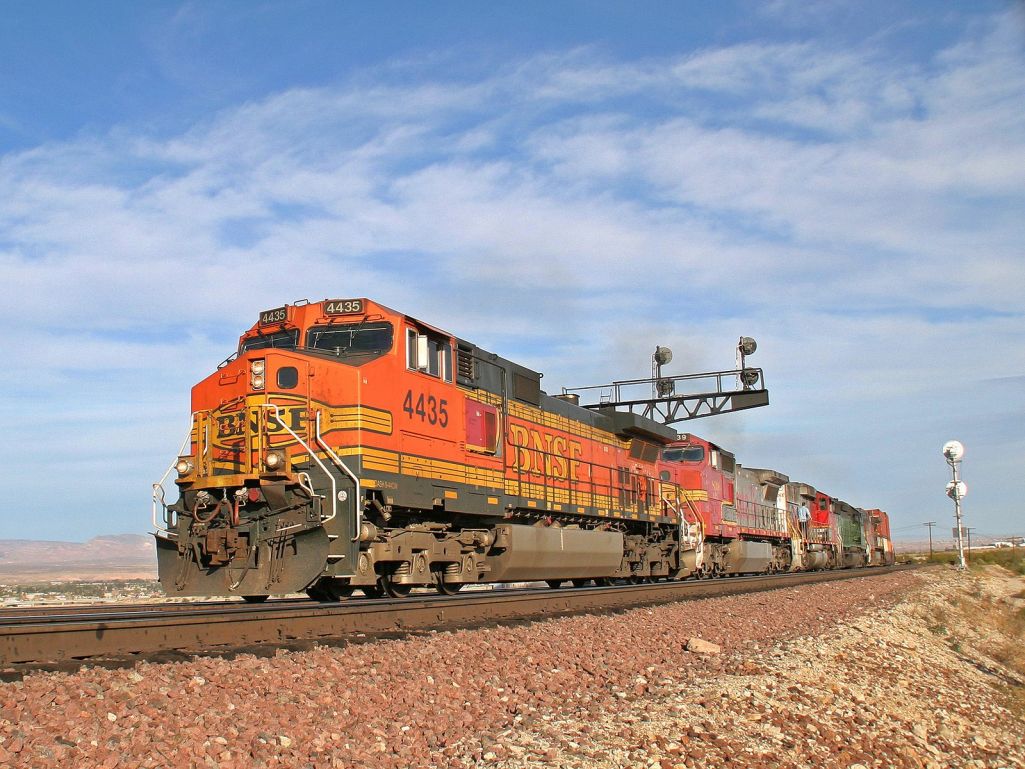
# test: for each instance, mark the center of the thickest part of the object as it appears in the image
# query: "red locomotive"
(348, 446)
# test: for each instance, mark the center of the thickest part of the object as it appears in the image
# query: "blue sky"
(568, 184)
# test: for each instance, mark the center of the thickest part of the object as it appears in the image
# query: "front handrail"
(345, 468)
(158, 487)
(700, 549)
(313, 456)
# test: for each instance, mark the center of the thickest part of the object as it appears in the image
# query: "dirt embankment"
(859, 673)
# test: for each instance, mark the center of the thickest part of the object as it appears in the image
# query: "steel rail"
(64, 612)
(216, 628)
(113, 610)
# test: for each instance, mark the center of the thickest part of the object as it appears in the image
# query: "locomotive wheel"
(329, 591)
(554, 584)
(254, 598)
(603, 582)
(394, 589)
(580, 582)
(446, 588)
(372, 591)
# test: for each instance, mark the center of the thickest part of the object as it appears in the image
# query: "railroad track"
(64, 638)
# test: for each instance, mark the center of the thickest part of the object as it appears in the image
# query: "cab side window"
(429, 353)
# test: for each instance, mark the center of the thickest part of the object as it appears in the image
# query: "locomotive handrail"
(158, 487)
(347, 471)
(228, 360)
(311, 452)
(700, 549)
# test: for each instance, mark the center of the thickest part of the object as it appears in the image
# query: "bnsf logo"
(238, 424)
(536, 452)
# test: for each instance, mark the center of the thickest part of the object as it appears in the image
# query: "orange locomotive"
(348, 446)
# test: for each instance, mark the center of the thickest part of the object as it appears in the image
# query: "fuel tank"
(526, 553)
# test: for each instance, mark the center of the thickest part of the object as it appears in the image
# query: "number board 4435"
(277, 315)
(344, 307)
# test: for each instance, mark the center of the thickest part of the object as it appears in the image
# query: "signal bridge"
(671, 399)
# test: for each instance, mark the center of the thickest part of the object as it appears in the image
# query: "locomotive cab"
(708, 474)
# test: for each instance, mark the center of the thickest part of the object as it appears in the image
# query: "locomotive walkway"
(66, 637)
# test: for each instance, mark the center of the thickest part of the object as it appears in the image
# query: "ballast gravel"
(588, 691)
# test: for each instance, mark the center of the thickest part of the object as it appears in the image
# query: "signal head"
(957, 490)
(953, 451)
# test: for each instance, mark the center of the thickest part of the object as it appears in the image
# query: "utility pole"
(930, 524)
(956, 489)
(969, 531)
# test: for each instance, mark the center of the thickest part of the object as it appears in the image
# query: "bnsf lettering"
(555, 456)
(233, 425)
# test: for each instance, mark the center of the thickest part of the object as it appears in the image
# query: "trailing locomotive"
(348, 446)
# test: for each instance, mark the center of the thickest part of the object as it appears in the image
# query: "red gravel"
(439, 700)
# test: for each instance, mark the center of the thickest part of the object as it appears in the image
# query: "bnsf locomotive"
(348, 446)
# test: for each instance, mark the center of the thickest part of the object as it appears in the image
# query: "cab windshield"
(684, 454)
(287, 339)
(349, 340)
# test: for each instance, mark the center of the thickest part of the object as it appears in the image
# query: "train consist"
(348, 446)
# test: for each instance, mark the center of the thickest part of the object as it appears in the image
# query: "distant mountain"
(105, 556)
(133, 547)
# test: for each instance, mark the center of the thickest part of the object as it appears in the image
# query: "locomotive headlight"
(274, 460)
(256, 373)
(183, 466)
